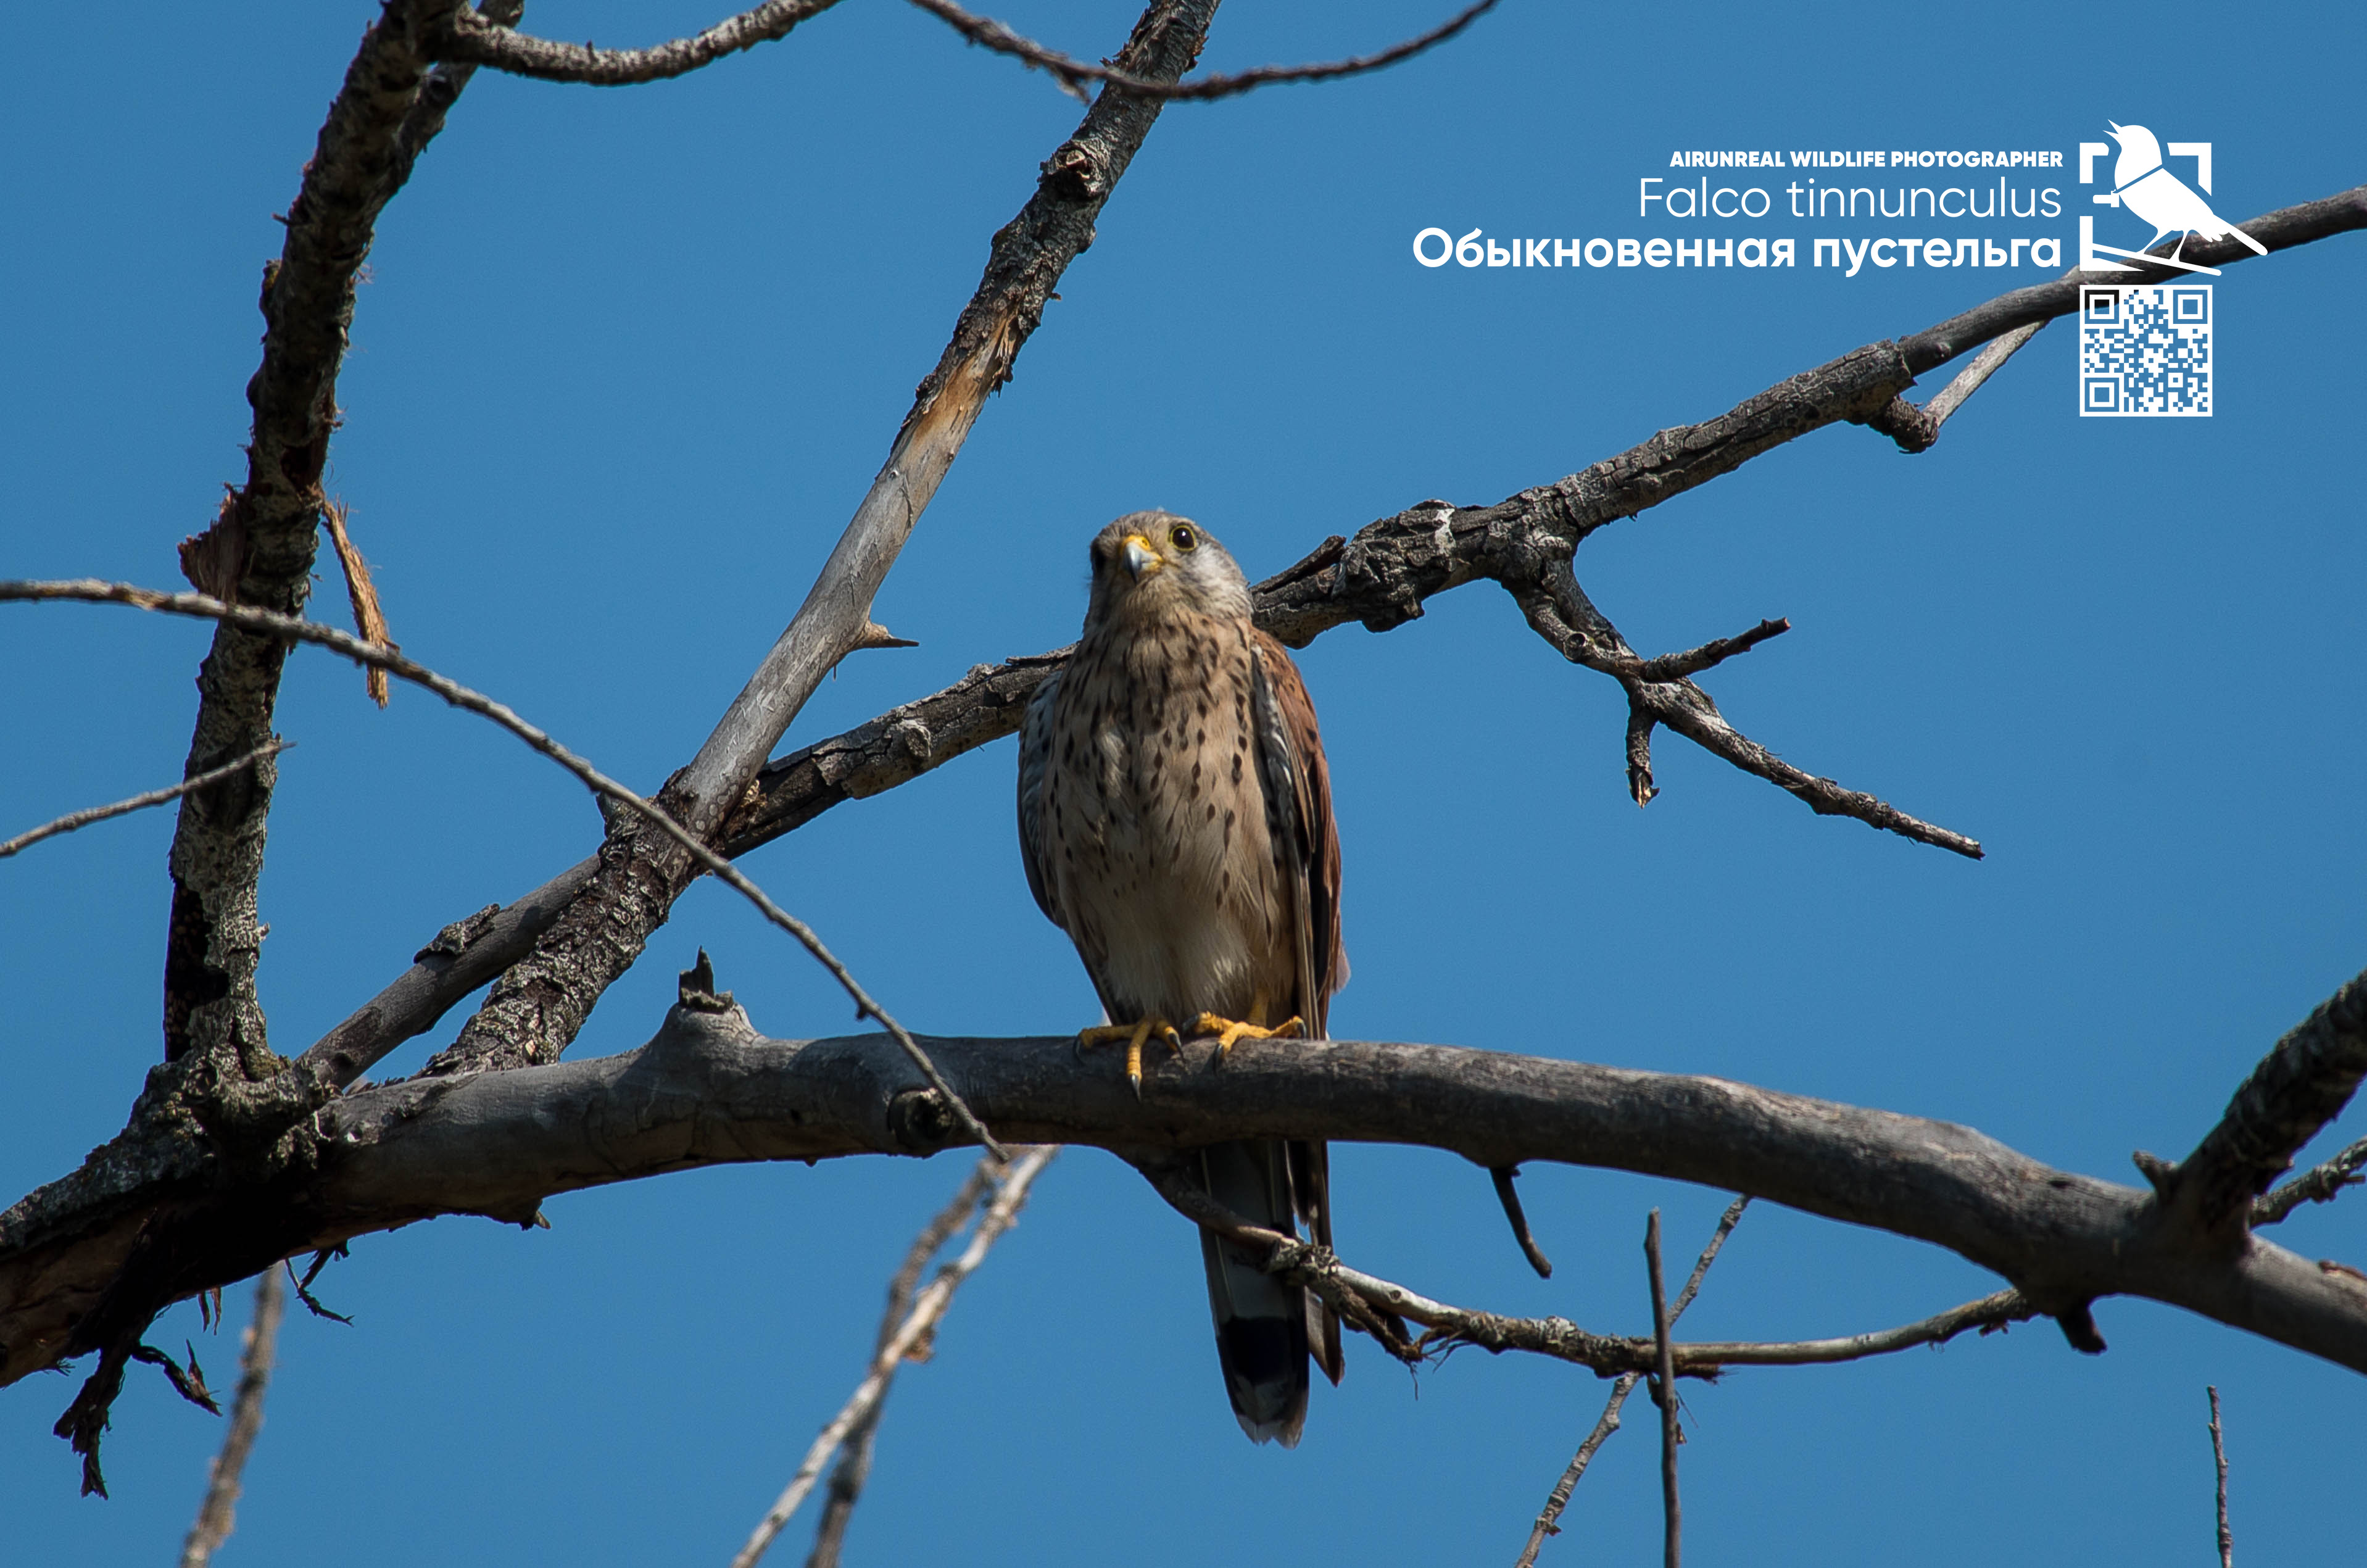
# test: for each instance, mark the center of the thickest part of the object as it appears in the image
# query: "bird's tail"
(1262, 1324)
(2258, 248)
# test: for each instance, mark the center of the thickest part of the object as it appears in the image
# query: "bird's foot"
(1227, 1030)
(1134, 1034)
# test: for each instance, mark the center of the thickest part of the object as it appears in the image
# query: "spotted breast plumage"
(1175, 820)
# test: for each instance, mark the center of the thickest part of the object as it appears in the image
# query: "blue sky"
(623, 365)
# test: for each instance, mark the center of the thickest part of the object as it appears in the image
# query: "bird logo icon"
(2143, 184)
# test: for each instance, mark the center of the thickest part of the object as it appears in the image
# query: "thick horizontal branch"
(708, 1090)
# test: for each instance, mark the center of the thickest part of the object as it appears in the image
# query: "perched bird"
(1175, 820)
(2145, 187)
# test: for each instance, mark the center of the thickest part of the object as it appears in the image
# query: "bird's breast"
(1160, 821)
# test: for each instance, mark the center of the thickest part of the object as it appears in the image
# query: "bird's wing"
(1034, 757)
(1296, 783)
(1297, 786)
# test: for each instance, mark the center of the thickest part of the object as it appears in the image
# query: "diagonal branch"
(541, 1001)
(218, 1513)
(1918, 430)
(2319, 1183)
(380, 655)
(83, 818)
(2296, 1089)
(854, 1462)
(1381, 576)
(927, 1311)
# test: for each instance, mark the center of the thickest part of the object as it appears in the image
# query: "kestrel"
(1175, 820)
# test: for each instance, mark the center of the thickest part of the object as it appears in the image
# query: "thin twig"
(1502, 1175)
(854, 1462)
(2319, 1183)
(1362, 1298)
(83, 818)
(1548, 1517)
(218, 1515)
(204, 606)
(1993, 355)
(2219, 1458)
(1073, 74)
(1916, 429)
(1671, 1538)
(927, 1309)
(1694, 661)
(1559, 1498)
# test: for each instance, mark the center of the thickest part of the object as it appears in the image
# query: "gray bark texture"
(707, 1089)
(543, 998)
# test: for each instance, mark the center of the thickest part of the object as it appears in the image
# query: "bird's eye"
(1184, 539)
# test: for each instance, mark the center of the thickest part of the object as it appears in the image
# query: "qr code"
(2145, 350)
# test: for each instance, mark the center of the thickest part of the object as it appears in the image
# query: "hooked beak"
(1141, 559)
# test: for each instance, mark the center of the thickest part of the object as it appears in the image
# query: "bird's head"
(1157, 563)
(2136, 142)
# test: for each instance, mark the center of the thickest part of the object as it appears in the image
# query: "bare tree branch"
(1558, 610)
(1916, 429)
(1382, 576)
(707, 1090)
(541, 1001)
(260, 549)
(1548, 1517)
(218, 1513)
(89, 815)
(927, 1311)
(2219, 1461)
(1665, 1395)
(1073, 74)
(478, 42)
(380, 655)
(2279, 230)
(2319, 1183)
(1376, 1305)
(1506, 1194)
(2296, 1089)
(463, 956)
(474, 41)
(855, 1463)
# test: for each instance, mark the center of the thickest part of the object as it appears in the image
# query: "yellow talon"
(1227, 1030)
(1134, 1034)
